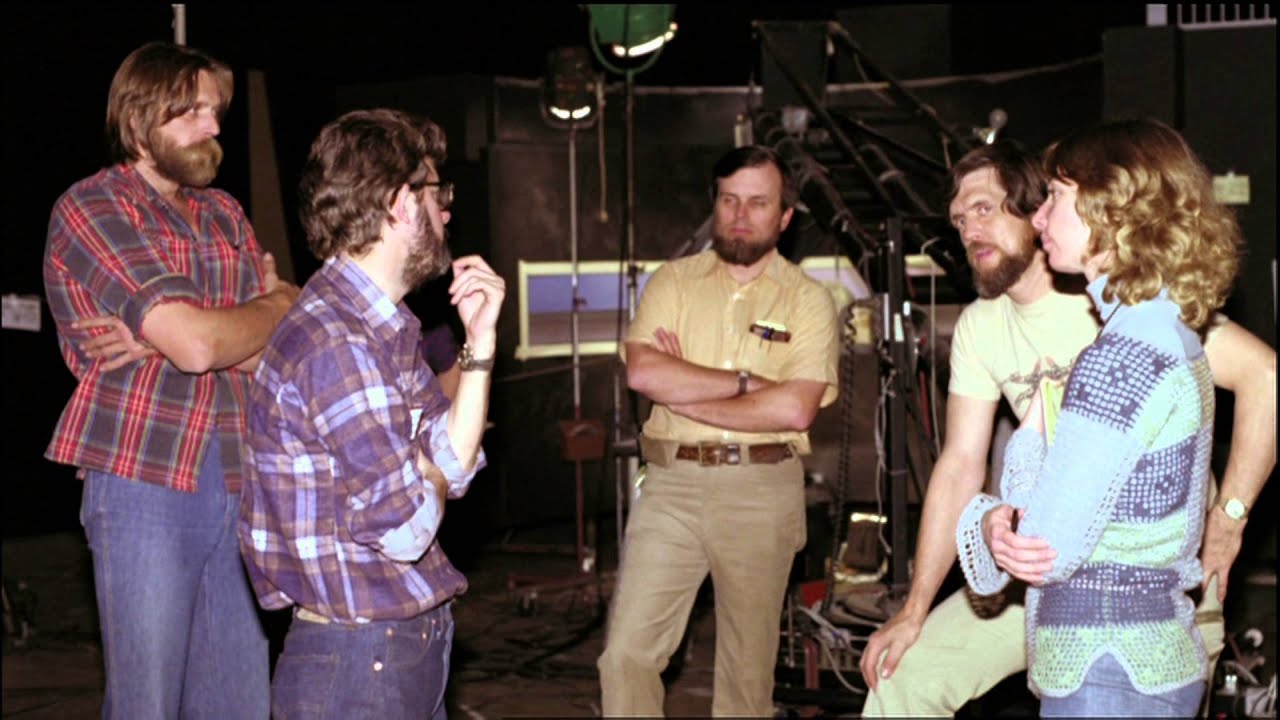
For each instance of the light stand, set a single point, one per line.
(632, 31)
(568, 102)
(894, 336)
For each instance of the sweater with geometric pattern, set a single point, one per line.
(1120, 494)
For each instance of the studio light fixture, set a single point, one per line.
(631, 31)
(568, 86)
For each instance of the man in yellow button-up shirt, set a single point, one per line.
(737, 349)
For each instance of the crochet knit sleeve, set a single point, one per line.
(1023, 457)
(1108, 418)
(979, 567)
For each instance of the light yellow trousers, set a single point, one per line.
(960, 656)
(743, 525)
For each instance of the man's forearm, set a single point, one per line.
(469, 410)
(1252, 458)
(951, 487)
(199, 340)
(1246, 366)
(669, 380)
(1253, 436)
(467, 416)
(784, 407)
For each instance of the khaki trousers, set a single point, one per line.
(960, 656)
(743, 525)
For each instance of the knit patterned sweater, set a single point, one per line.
(1120, 495)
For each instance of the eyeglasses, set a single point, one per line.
(444, 193)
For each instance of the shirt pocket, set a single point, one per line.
(763, 357)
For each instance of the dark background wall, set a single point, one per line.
(510, 167)
(1219, 87)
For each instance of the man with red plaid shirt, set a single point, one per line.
(144, 249)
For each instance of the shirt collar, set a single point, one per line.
(129, 176)
(1095, 290)
(367, 299)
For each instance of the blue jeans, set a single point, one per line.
(180, 629)
(384, 670)
(1107, 692)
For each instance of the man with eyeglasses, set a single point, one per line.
(353, 448)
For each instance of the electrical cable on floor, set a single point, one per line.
(829, 635)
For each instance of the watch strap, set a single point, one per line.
(1233, 507)
(468, 362)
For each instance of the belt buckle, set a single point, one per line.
(713, 453)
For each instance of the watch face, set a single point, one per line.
(1233, 508)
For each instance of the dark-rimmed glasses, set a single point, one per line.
(444, 192)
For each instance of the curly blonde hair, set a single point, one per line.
(1146, 197)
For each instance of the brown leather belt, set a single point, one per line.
(732, 453)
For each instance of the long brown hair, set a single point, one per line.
(1148, 199)
(156, 83)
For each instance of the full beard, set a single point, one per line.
(739, 251)
(1010, 268)
(430, 257)
(193, 165)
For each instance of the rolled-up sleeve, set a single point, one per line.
(102, 245)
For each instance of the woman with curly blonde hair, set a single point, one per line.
(1117, 484)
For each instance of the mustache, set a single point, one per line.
(209, 146)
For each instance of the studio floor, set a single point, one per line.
(516, 653)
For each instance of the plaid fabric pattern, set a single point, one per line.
(116, 247)
(341, 400)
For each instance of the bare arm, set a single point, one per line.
(786, 406)
(957, 477)
(1246, 366)
(198, 340)
(668, 379)
(766, 406)
(477, 291)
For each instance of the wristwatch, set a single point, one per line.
(1234, 508)
(468, 362)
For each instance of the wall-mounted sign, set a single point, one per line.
(1231, 189)
(22, 312)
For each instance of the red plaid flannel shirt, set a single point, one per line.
(116, 247)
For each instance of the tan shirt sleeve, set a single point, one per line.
(657, 307)
(815, 343)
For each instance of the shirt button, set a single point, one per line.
(390, 632)
(377, 666)
(424, 636)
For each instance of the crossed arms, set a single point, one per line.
(708, 395)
